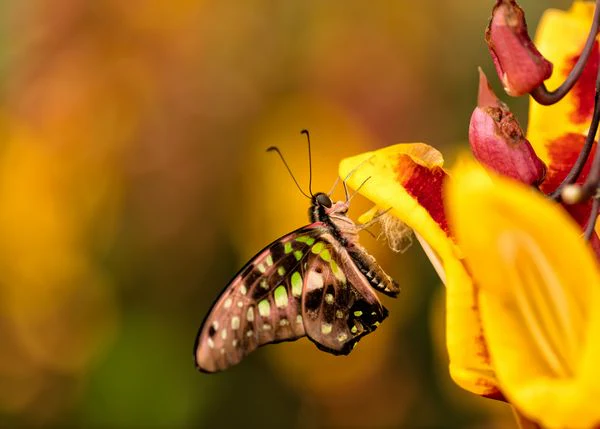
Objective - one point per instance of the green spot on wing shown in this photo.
(317, 248)
(287, 248)
(298, 255)
(264, 308)
(296, 284)
(280, 271)
(358, 313)
(336, 271)
(325, 255)
(281, 296)
(306, 239)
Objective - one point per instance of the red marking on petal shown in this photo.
(563, 153)
(425, 185)
(584, 89)
(495, 394)
(581, 214)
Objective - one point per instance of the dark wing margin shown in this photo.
(261, 305)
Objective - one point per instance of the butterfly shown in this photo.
(317, 281)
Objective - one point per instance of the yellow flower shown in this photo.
(522, 285)
(538, 296)
(520, 319)
(408, 179)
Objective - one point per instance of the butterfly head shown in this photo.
(322, 207)
(322, 199)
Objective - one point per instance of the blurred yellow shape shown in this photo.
(538, 287)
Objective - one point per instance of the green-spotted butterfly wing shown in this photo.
(338, 304)
(302, 284)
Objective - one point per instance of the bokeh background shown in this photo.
(134, 184)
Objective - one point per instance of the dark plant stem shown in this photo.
(541, 93)
(589, 229)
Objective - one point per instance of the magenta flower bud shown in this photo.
(519, 64)
(497, 140)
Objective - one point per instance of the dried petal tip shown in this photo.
(519, 64)
(497, 140)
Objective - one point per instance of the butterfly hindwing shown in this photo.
(338, 304)
(261, 305)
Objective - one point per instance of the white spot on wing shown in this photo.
(299, 318)
(314, 281)
(224, 334)
(326, 328)
(243, 289)
(210, 343)
(227, 303)
(329, 298)
(250, 314)
(235, 322)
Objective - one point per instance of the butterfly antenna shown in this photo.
(276, 149)
(358, 189)
(309, 161)
(337, 179)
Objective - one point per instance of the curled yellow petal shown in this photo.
(539, 294)
(407, 178)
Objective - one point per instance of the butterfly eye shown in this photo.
(323, 200)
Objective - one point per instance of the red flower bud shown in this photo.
(519, 64)
(497, 140)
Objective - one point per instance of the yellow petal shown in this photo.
(408, 179)
(560, 37)
(539, 295)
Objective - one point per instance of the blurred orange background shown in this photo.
(134, 183)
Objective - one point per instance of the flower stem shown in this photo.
(541, 93)
(591, 225)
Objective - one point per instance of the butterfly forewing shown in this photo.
(338, 305)
(261, 305)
